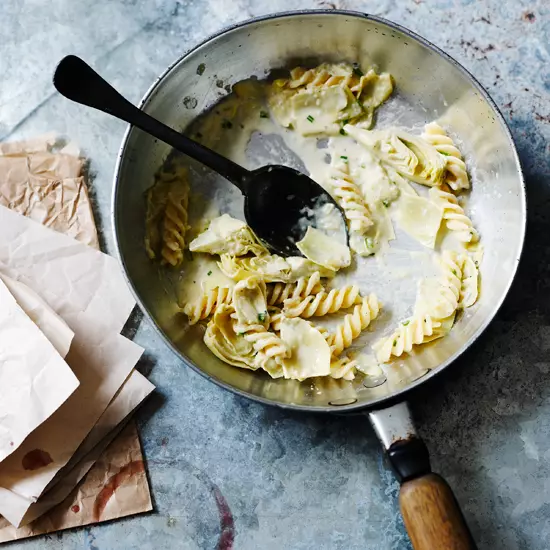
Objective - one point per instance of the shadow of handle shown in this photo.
(432, 515)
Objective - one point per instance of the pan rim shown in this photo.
(402, 394)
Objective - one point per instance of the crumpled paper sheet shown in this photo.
(116, 486)
(43, 316)
(135, 389)
(138, 492)
(34, 379)
(86, 288)
(48, 188)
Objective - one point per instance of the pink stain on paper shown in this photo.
(36, 459)
(115, 481)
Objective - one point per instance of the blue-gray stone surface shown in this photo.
(294, 481)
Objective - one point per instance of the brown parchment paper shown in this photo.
(116, 486)
(48, 188)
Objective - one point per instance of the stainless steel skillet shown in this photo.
(431, 85)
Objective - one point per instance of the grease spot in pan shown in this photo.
(343, 401)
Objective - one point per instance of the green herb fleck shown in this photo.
(310, 118)
(405, 323)
(264, 114)
(453, 271)
(262, 316)
(290, 126)
(343, 132)
(344, 122)
(357, 70)
(395, 342)
(209, 273)
(344, 158)
(240, 333)
(200, 69)
(227, 124)
(386, 203)
(445, 154)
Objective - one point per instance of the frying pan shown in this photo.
(430, 85)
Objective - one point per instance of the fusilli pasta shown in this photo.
(353, 324)
(175, 226)
(267, 343)
(206, 305)
(415, 330)
(453, 214)
(456, 176)
(277, 293)
(349, 198)
(322, 303)
(469, 283)
(343, 367)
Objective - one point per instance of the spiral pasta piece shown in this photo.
(263, 341)
(277, 293)
(349, 198)
(469, 284)
(206, 305)
(415, 330)
(448, 295)
(453, 214)
(456, 176)
(323, 303)
(317, 77)
(175, 226)
(353, 324)
(343, 367)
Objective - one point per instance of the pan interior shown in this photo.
(429, 86)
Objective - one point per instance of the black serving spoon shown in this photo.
(280, 202)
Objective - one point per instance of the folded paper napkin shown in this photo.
(79, 302)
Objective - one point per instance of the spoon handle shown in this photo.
(77, 81)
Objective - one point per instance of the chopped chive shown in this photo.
(405, 323)
(395, 342)
(227, 124)
(453, 271)
(261, 316)
(343, 157)
(343, 132)
(386, 203)
(264, 114)
(209, 273)
(357, 70)
(310, 118)
(443, 153)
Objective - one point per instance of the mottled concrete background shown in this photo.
(295, 481)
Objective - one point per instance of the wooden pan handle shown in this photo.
(432, 516)
(431, 513)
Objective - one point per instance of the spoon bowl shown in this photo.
(280, 203)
